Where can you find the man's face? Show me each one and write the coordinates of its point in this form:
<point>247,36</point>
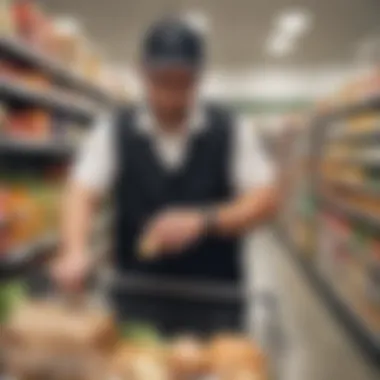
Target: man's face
<point>171,90</point>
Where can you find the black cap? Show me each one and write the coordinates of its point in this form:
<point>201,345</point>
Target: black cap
<point>173,42</point>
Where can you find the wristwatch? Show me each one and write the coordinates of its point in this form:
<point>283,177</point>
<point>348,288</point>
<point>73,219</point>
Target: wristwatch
<point>210,221</point>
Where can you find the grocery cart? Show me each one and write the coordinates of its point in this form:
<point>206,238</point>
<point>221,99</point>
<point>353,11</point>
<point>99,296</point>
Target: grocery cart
<point>261,320</point>
<point>261,314</point>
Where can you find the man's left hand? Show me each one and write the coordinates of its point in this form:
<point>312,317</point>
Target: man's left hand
<point>172,231</point>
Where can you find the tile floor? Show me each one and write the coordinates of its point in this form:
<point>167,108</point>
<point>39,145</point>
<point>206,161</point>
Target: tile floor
<point>314,345</point>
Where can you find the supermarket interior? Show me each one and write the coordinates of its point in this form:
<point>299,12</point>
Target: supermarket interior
<point>302,77</point>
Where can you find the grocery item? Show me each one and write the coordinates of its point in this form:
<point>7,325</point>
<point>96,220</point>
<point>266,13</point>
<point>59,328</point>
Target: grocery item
<point>140,333</point>
<point>229,354</point>
<point>11,294</point>
<point>187,358</point>
<point>6,19</point>
<point>131,362</point>
<point>30,124</point>
<point>25,16</point>
<point>56,338</point>
<point>68,42</point>
<point>56,323</point>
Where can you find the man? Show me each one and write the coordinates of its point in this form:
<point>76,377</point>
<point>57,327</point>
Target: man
<point>187,182</point>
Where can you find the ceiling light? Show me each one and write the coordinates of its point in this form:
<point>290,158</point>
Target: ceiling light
<point>198,20</point>
<point>280,45</point>
<point>294,22</point>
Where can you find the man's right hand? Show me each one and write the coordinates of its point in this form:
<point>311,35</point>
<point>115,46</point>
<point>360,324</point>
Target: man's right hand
<point>70,270</point>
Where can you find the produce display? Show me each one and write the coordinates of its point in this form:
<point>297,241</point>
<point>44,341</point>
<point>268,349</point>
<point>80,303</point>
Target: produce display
<point>29,207</point>
<point>58,339</point>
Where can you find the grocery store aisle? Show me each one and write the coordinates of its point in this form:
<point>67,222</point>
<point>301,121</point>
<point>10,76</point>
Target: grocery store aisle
<point>316,346</point>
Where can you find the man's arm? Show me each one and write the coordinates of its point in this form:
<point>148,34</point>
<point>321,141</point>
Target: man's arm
<point>90,177</point>
<point>78,208</point>
<point>246,211</point>
<point>253,177</point>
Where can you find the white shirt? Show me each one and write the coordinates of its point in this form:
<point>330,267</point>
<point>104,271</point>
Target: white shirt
<point>96,166</point>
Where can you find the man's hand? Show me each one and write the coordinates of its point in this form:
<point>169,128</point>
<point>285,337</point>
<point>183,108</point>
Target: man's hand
<point>172,231</point>
<point>70,270</point>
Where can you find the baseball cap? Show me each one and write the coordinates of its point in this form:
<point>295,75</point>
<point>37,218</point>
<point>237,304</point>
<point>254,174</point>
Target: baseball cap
<point>173,41</point>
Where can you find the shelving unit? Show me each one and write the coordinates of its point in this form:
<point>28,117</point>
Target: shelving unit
<point>356,187</point>
<point>12,147</point>
<point>18,261</point>
<point>70,99</point>
<point>21,259</point>
<point>338,265</point>
<point>371,103</point>
<point>11,92</point>
<point>14,50</point>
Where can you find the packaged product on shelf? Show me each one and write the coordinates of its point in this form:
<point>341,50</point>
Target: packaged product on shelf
<point>5,220</point>
<point>6,20</point>
<point>35,124</point>
<point>89,63</point>
<point>33,79</point>
<point>373,275</point>
<point>27,220</point>
<point>68,42</point>
<point>3,118</point>
<point>26,20</point>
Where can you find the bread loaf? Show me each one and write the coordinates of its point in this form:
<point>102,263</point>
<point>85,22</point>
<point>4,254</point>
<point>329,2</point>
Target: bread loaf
<point>134,362</point>
<point>187,358</point>
<point>230,354</point>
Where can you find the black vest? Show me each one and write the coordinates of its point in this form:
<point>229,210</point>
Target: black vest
<point>144,187</point>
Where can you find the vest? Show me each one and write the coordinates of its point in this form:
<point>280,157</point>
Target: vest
<point>144,187</point>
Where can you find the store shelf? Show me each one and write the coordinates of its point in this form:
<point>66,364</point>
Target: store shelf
<point>13,92</point>
<point>338,304</point>
<point>20,259</point>
<point>370,136</point>
<point>19,51</point>
<point>350,211</point>
<point>365,105</point>
<point>16,147</point>
<point>356,187</point>
<point>365,158</point>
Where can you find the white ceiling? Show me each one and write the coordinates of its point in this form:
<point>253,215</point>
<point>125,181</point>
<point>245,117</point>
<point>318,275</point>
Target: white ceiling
<point>239,28</point>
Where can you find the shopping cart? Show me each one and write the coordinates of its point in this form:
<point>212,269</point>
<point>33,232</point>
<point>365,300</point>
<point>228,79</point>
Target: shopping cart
<point>262,319</point>
<point>262,314</point>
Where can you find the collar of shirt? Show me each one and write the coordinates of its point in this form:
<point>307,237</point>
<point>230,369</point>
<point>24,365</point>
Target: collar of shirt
<point>172,149</point>
<point>147,123</point>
